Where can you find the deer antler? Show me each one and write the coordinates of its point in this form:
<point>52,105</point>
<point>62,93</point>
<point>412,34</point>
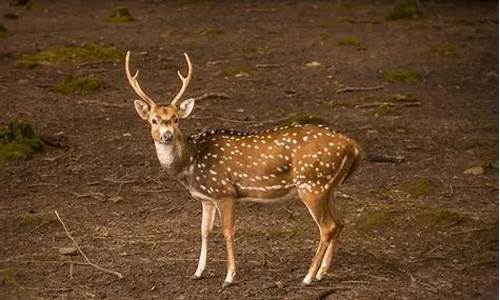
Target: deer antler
<point>135,84</point>
<point>185,80</point>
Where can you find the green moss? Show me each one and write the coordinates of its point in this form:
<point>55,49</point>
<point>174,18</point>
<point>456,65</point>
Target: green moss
<point>83,85</point>
<point>53,56</point>
<point>239,71</point>
<point>439,217</point>
<point>445,50</point>
<point>350,41</point>
<point>35,219</point>
<point>3,31</point>
<point>373,220</point>
<point>298,119</point>
<point>405,9</point>
<point>19,141</point>
<point>212,32</point>
<point>8,278</point>
<point>419,187</point>
<point>403,75</point>
<point>121,14</point>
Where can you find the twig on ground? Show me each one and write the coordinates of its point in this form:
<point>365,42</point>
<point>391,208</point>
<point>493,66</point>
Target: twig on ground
<point>62,262</point>
<point>97,196</point>
<point>212,96</point>
<point>382,158</point>
<point>42,184</point>
<point>267,66</point>
<point>355,281</point>
<point>119,275</point>
<point>140,190</point>
<point>359,21</point>
<point>71,270</point>
<point>105,104</point>
<point>433,249</point>
<point>469,231</point>
<point>388,104</point>
<point>474,186</point>
<point>360,89</point>
<point>172,209</point>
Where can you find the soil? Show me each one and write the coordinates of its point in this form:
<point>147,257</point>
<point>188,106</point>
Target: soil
<point>417,227</point>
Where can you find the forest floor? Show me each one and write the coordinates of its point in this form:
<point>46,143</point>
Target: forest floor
<point>418,226</point>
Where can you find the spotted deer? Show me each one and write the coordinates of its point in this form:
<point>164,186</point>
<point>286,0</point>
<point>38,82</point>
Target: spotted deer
<point>220,167</point>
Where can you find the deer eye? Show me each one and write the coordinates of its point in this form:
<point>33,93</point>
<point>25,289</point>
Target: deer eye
<point>154,121</point>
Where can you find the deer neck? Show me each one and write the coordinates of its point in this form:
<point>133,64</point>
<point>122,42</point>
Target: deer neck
<point>176,157</point>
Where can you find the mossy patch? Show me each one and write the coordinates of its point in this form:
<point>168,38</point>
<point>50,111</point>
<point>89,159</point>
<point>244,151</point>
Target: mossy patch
<point>239,71</point>
<point>402,75</point>
<point>213,32</point>
<point>53,56</point>
<point>419,187</point>
<point>445,50</point>
<point>121,14</point>
<point>19,141</point>
<point>432,217</point>
<point>405,9</point>
<point>349,41</point>
<point>80,85</point>
<point>299,119</point>
<point>374,220</point>
<point>3,31</point>
<point>9,278</point>
<point>35,219</point>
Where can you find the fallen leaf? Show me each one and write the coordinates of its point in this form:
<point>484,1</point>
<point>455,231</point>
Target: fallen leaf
<point>71,251</point>
<point>115,199</point>
<point>313,64</point>
<point>474,171</point>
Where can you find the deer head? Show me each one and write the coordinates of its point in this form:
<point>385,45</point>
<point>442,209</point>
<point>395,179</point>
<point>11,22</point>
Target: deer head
<point>163,119</point>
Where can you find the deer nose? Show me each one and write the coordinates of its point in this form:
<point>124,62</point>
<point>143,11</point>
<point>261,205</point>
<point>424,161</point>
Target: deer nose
<point>167,136</point>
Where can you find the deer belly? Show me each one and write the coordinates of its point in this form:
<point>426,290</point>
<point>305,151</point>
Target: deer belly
<point>269,196</point>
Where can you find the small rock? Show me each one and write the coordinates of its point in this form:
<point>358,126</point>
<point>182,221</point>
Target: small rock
<point>371,132</point>
<point>71,251</point>
<point>239,110</point>
<point>279,284</point>
<point>474,171</point>
<point>313,64</point>
<point>115,199</point>
<point>11,16</point>
<point>153,288</point>
<point>127,134</point>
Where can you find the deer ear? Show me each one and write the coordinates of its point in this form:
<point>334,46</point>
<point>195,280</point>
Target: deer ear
<point>186,108</point>
<point>142,109</point>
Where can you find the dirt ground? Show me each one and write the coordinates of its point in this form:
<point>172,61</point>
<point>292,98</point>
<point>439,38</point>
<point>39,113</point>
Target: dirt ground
<point>417,226</point>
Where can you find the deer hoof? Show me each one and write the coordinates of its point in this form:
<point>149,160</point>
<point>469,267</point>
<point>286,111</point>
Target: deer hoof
<point>226,284</point>
<point>195,277</point>
<point>306,282</point>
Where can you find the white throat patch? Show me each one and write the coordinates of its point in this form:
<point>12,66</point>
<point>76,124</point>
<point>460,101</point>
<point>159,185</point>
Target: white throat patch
<point>165,153</point>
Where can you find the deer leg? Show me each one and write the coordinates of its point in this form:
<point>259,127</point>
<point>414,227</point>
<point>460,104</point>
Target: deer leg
<point>226,212</point>
<point>318,207</point>
<point>207,225</point>
<point>339,224</point>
